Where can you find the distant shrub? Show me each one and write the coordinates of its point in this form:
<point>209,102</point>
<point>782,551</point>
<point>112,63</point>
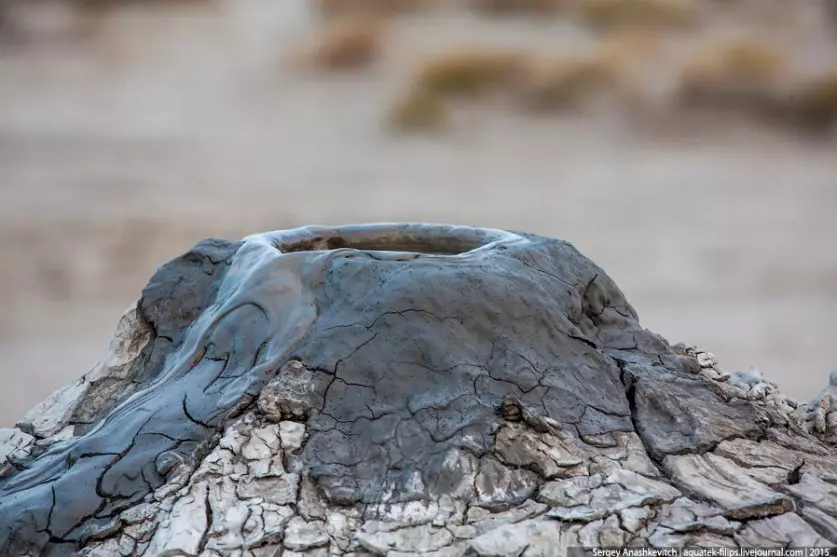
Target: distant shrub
<point>468,71</point>
<point>348,44</point>
<point>743,71</point>
<point>751,76</point>
<point>417,111</point>
<point>514,7</point>
<point>341,8</point>
<point>744,59</point>
<point>610,14</point>
<point>830,7</point>
<point>567,82</point>
<point>815,101</point>
<point>94,5</point>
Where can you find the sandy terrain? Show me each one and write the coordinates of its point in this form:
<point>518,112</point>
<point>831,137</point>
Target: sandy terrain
<point>121,149</point>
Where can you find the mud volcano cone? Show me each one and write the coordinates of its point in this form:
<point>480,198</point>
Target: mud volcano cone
<point>406,389</point>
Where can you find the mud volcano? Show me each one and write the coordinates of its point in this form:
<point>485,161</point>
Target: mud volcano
<point>406,389</point>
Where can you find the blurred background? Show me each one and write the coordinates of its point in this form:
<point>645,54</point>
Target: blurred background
<point>686,146</point>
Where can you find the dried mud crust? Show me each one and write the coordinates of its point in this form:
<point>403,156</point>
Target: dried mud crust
<point>407,389</point>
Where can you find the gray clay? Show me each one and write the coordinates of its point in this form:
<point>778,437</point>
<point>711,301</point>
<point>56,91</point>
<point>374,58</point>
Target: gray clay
<point>406,389</point>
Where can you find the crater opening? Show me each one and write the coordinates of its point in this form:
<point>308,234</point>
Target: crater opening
<point>424,239</point>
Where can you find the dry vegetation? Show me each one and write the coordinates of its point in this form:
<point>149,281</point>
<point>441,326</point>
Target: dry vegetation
<point>568,81</point>
<point>517,7</point>
<point>745,74</point>
<point>814,102</point>
<point>375,8</point>
<point>468,71</point>
<point>753,77</point>
<point>749,74</point>
<point>347,44</point>
<point>418,111</point>
<point>106,6</point>
<point>746,60</point>
<point>615,14</point>
<point>831,11</point>
<point>5,20</point>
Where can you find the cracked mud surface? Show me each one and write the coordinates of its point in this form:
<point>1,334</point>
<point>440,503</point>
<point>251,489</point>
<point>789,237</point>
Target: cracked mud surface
<point>403,389</point>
